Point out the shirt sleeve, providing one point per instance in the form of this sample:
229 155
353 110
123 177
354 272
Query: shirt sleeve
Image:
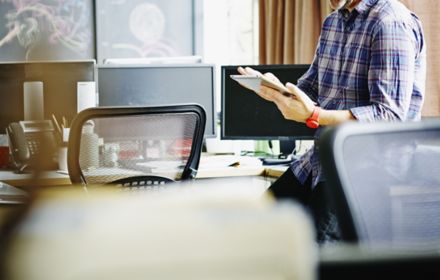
391 73
309 81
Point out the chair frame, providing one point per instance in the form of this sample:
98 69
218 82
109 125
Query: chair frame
190 169
331 145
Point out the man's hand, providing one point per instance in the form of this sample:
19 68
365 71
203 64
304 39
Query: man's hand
252 72
248 71
297 107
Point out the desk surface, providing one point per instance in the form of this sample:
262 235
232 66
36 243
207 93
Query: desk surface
54 178
50 178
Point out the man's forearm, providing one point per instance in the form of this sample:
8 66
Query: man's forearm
334 117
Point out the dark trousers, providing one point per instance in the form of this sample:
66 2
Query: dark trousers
315 202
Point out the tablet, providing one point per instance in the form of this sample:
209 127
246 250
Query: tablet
255 82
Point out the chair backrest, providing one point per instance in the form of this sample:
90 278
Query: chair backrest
384 179
108 144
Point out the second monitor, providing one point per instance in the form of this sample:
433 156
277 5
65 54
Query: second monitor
245 115
57 83
150 85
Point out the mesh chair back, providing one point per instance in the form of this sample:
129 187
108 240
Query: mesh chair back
109 144
385 181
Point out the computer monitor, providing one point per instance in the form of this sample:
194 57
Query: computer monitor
155 60
154 84
245 115
59 80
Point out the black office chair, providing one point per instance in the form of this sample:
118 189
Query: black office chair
384 179
136 146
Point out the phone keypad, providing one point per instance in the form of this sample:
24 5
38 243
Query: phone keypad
34 146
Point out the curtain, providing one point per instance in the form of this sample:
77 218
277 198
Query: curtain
428 12
289 30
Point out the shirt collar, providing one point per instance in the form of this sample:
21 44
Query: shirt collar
362 8
365 6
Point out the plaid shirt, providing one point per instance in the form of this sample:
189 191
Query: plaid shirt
370 61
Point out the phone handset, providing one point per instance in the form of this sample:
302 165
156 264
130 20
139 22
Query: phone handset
30 139
18 146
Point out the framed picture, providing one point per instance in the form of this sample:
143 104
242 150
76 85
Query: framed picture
46 30
148 28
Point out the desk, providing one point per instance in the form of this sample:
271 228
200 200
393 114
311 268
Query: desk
49 178
53 178
211 177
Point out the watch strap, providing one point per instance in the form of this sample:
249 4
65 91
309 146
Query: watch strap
313 120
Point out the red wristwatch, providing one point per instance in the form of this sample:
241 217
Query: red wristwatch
313 120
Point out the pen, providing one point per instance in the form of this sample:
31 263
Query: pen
65 122
57 125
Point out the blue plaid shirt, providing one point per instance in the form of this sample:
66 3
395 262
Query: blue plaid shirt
370 61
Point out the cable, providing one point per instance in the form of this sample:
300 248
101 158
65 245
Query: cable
270 147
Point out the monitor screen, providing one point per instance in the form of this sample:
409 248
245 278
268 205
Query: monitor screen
151 85
245 115
58 81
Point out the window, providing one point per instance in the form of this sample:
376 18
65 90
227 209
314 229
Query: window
230 34
231 31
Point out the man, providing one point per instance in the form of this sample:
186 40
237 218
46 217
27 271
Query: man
369 66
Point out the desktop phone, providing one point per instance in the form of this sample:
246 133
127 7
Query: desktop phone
26 140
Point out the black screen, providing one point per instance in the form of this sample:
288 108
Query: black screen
245 115
151 85
59 87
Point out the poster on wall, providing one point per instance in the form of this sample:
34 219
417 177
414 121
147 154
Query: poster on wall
145 28
46 30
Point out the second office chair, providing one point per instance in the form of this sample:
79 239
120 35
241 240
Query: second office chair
136 145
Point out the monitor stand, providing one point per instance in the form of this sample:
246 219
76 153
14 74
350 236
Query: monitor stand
287 147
